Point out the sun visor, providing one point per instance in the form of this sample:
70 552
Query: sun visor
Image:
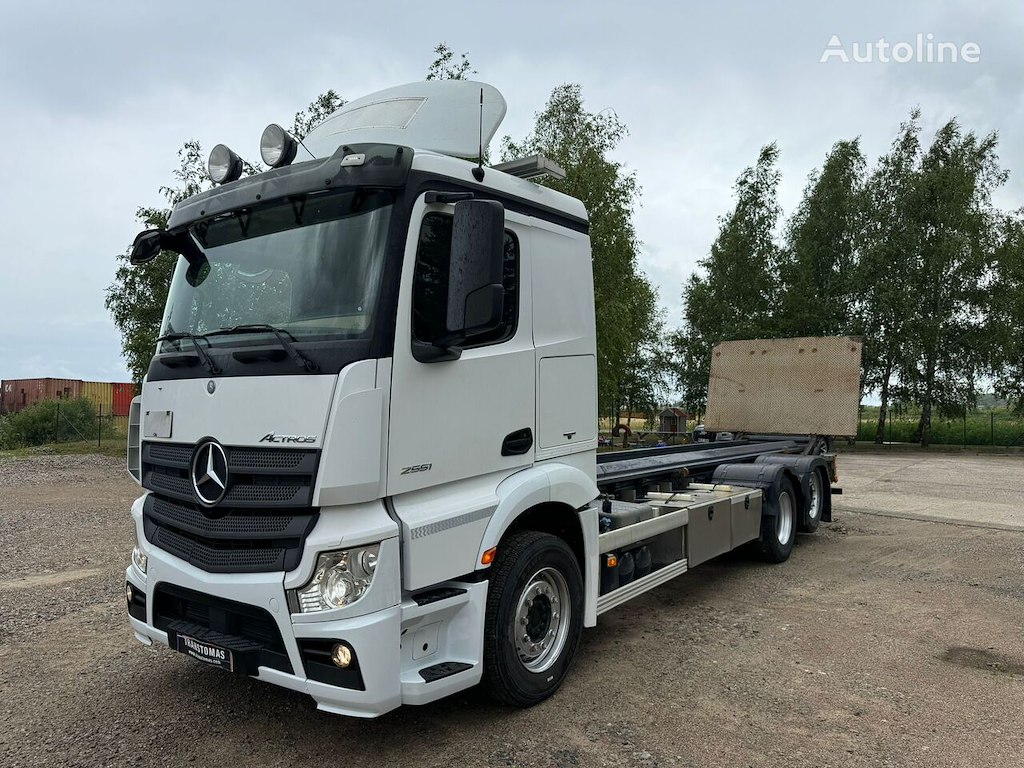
441 116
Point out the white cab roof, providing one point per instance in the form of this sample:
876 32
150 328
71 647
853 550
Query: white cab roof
455 168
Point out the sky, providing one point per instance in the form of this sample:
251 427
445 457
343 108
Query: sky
99 97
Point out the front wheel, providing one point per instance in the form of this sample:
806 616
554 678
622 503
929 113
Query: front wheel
534 618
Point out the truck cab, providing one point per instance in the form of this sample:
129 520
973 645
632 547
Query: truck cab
373 363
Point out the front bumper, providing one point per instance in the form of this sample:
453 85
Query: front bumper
374 637
248 613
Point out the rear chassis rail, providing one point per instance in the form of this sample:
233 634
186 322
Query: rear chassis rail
625 472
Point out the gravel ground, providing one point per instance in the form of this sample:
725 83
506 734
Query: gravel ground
882 642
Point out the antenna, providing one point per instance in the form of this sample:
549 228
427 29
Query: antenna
305 147
478 172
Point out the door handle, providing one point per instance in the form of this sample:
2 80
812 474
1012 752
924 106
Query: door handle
517 443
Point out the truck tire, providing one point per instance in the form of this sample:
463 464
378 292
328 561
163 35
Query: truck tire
820 445
778 531
534 618
815 501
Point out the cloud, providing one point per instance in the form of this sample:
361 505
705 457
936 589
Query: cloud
96 117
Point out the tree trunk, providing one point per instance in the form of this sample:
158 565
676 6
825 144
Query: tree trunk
884 410
924 426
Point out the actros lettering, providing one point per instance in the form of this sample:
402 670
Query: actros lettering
270 437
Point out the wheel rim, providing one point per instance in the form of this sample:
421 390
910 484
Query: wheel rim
784 521
543 614
815 510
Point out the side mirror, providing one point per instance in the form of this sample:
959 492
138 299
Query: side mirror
151 242
475 291
147 246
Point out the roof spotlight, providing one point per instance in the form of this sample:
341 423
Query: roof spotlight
277 146
223 165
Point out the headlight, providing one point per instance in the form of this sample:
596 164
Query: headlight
139 558
340 578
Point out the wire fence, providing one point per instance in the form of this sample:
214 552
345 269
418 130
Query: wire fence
62 421
990 428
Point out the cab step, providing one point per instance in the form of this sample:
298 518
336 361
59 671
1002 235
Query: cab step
444 669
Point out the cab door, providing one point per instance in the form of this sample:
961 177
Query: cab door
457 419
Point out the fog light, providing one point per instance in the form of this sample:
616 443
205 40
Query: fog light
341 655
129 593
223 165
277 147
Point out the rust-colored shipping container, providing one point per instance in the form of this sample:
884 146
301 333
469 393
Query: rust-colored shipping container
6 396
21 393
101 393
122 395
63 389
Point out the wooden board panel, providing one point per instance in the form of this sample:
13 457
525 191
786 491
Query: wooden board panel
796 386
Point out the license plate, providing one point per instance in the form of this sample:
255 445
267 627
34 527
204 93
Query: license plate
207 653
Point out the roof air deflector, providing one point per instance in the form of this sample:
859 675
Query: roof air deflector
442 116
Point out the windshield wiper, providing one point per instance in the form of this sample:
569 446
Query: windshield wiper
208 362
283 337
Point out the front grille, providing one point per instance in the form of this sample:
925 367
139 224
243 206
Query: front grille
171 485
242 541
189 518
265 494
262 458
250 632
258 477
260 525
171 454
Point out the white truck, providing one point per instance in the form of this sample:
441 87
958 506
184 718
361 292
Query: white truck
368 435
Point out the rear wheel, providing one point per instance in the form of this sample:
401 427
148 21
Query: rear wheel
778 532
534 618
815 502
820 445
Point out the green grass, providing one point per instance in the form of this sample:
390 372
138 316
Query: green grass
995 427
109 447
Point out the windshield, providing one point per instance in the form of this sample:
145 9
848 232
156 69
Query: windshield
310 265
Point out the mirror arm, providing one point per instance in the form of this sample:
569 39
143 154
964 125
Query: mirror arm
181 243
426 352
449 341
433 197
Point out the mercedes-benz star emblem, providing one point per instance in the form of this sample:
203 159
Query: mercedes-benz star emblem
210 473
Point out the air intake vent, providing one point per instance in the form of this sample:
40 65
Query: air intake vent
236 541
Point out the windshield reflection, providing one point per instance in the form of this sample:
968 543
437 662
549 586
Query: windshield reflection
311 266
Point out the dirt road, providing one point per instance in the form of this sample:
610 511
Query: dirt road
882 642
